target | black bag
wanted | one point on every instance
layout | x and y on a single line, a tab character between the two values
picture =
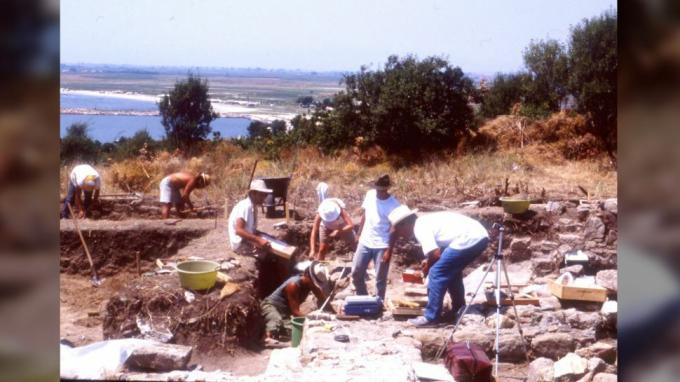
467	362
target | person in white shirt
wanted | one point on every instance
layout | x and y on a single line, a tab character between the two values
450	241
375	243
242	224
331	222
83	178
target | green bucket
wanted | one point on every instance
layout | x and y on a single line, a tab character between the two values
296	336
197	274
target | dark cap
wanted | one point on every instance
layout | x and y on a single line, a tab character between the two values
383	182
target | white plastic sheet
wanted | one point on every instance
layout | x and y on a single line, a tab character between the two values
99	360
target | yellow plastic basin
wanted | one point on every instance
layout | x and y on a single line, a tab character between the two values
515	206
197	274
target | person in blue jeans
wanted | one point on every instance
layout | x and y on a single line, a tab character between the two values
375	243
450	241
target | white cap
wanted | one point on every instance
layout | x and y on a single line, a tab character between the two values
400	213
329	210
258	185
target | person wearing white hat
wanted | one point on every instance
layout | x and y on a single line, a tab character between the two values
375	243
331	222
450	241
83	178
176	188
242	224
285	301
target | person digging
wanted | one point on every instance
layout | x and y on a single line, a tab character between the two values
332	222
450	242
175	190
285	301
83	188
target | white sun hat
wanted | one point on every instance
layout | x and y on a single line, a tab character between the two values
400	213
258	185
329	210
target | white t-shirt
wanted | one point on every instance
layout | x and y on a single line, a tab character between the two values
376	231
447	229
82	171
244	210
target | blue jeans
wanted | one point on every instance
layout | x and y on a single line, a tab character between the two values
71	199
447	274
362	257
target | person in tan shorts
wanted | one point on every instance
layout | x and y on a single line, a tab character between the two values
332	222
176	188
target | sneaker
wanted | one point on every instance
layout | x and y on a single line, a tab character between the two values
422	322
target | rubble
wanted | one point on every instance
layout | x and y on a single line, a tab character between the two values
541	370
608	279
593	229
553	345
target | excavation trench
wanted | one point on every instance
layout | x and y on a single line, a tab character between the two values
152	304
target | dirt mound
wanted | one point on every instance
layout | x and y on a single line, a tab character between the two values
565	134
208	323
114	251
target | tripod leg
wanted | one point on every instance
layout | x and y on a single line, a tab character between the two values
498	314
514	307
467	306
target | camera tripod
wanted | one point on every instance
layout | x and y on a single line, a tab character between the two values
500	265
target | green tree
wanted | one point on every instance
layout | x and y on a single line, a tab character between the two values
130	147
408	107
258	129
506	90
78	146
278	127
305	101
186	112
547	65
593	73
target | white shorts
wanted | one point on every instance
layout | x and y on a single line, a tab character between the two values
169	194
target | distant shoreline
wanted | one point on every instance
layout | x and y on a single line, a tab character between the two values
226	109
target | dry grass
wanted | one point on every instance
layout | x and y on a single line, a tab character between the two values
534	170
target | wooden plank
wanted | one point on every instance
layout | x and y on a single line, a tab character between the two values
566	292
280	248
402	311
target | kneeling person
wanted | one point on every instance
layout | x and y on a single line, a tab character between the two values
331	222
285	301
450	242
176	188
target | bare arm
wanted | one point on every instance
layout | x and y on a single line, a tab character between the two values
361	223
293	302
349	225
431	258
79	202
241	231
392	241
187	191
314	235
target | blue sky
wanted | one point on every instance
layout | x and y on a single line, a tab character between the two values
479	36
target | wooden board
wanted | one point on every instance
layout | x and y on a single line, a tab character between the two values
566	292
400	311
280	248
490	300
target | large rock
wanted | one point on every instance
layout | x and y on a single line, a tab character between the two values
609	312
583	320
596	365
576	270
546	264
571	239
593	229
604	350
570	368
608	279
506	322
481	336
159	357
552	345
550	303
541	370
605	377
519	249
555	207
511	349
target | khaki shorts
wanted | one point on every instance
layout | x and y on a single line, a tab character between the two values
276	322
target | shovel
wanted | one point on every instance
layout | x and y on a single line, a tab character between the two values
95	278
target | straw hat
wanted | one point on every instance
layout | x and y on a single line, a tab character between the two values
400	213
329	210
320	277
258	185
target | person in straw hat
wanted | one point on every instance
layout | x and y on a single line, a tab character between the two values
375	243
176	188
450	241
242	224
285	301
331	222
83	188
